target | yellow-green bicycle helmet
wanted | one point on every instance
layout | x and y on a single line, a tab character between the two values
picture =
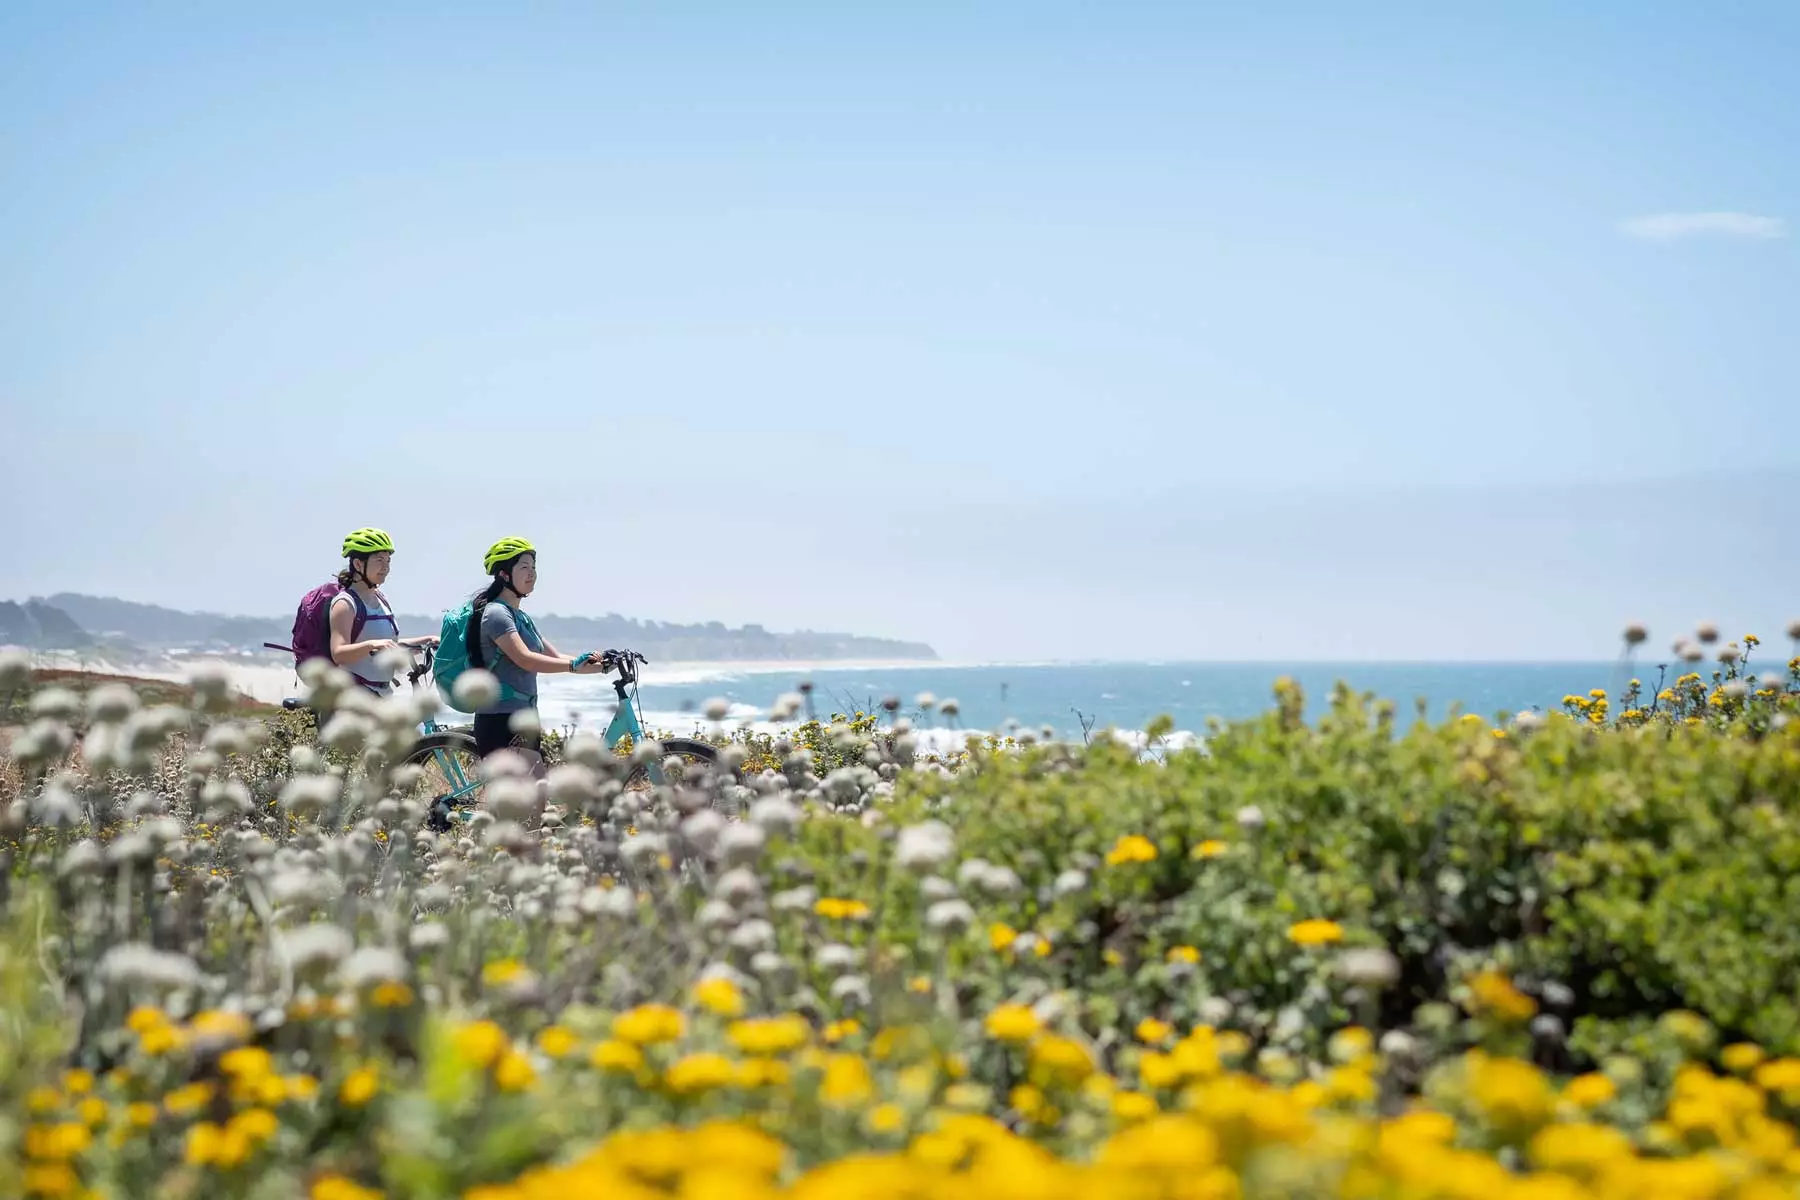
368	541
505	548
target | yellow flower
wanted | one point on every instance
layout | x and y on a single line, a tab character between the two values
390	995
762	1073
1741	1057
1131	848
189	1099
1210	848
1001	936
622	1057
160	1040
556	1041
92	1109
255	1124
1157	1071
836	909
142	1020
1133	1106
502	971
1061	1061
1779	1075
208	1145
1578	1148
141	1115
1012	1023
50	1179
63	1140
338	1187
246	1064
1494	995
480	1043
1590	1090
919	984
1183	954
43	1099
699	1073
514	1073
1511	1094
648	1024
78	1082
768	1035
1151	1031
837	1031
300	1087
846	1083
1315	932
217	1025
359	1087
885	1119
720	996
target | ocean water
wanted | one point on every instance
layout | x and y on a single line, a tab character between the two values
1125	697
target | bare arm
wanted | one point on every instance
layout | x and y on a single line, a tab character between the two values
343	650
522	656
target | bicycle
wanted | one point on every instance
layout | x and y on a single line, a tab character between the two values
449	750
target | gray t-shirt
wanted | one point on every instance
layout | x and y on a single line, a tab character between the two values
497	621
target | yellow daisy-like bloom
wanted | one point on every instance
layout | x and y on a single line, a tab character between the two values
838	909
1211	848
391	995
480	1043
1315	932
1012	1023
699	1073
557	1041
719	996
764	1036
621	1057
1590	1090
1132	848
514	1072
648	1024
359	1087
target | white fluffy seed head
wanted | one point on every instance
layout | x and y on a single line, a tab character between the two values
924	847
476	689
775	815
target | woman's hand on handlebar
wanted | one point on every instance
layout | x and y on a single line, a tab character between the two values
590	663
420	642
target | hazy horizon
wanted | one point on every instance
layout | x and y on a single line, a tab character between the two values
1145	333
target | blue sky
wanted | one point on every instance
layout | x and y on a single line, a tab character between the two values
1035	331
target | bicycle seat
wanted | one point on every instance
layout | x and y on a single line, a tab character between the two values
293	703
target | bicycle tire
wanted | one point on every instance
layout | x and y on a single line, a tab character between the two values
453	741
684	748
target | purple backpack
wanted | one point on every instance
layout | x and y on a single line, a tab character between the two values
312	622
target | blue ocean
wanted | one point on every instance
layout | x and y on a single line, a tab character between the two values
1121	696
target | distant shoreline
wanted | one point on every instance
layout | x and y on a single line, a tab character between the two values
265	678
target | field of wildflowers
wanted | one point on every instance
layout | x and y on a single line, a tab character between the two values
1549	956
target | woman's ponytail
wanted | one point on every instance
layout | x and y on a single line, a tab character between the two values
472	635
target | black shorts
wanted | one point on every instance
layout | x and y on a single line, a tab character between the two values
493	731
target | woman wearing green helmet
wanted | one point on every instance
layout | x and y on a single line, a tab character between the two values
503	640
361	619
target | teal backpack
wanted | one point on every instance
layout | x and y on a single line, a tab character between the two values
453	652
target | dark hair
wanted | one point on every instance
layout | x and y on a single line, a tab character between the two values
348	575
472	637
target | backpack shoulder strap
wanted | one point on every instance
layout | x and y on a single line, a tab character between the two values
362	611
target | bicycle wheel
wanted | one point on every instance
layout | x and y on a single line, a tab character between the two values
450	773
686	749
